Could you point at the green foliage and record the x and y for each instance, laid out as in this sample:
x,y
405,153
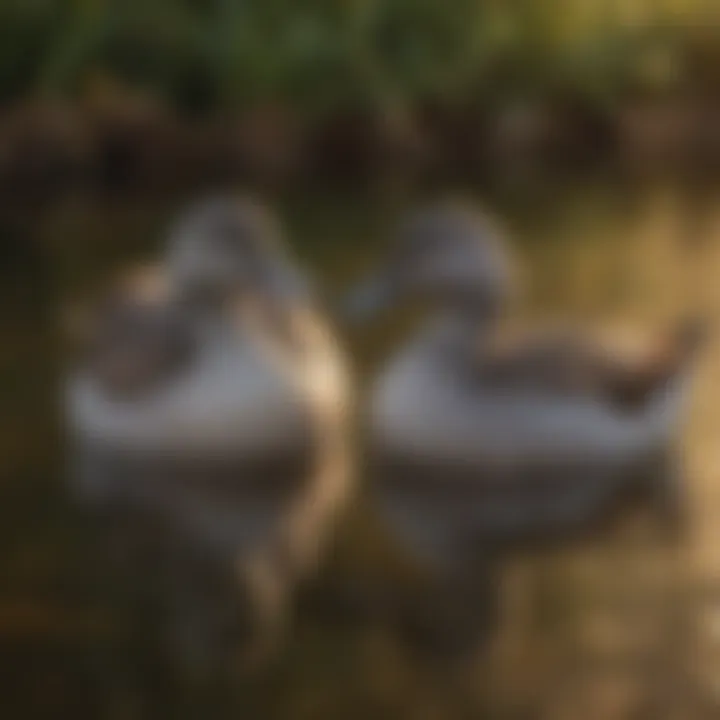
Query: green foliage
x,y
325,54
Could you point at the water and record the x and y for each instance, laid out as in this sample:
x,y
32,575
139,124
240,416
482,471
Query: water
x,y
589,248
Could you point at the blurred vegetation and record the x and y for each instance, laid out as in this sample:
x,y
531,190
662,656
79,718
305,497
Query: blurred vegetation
x,y
126,90
325,55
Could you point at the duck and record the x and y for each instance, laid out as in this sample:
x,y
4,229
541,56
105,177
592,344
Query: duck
x,y
478,443
495,419
214,398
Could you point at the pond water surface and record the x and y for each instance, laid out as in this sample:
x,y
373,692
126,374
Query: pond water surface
x,y
588,248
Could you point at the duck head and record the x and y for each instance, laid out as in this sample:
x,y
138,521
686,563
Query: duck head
x,y
448,254
227,248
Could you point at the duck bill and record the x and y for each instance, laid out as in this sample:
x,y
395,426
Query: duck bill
x,y
368,300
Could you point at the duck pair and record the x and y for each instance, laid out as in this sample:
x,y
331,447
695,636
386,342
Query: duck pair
x,y
216,401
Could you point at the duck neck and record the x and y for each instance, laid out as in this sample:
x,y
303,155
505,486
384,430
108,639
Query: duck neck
x,y
208,318
463,330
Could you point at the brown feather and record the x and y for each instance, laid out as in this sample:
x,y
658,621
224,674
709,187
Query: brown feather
x,y
566,361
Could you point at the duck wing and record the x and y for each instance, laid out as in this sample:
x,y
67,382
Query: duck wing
x,y
552,363
567,362
136,346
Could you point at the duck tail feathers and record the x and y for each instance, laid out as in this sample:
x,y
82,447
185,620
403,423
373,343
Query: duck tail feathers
x,y
668,401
